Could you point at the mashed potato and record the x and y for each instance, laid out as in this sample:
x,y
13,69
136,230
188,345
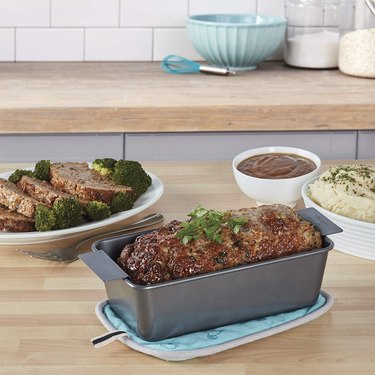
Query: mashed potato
x,y
347,190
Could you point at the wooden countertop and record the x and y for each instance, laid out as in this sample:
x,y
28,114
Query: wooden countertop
x,y
140,97
47,309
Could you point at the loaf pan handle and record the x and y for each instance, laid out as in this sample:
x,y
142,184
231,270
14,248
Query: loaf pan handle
x,y
324,225
104,267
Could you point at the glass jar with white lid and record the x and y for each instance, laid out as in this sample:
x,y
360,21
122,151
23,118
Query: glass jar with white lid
x,y
357,48
314,30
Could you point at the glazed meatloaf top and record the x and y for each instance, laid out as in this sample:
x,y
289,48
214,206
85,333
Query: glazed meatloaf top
x,y
270,232
13,222
84,183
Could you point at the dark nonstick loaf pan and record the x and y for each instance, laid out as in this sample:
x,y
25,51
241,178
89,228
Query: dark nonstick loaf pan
x,y
214,299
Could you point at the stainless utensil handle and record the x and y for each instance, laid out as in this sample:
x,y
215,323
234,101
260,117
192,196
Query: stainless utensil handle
x,y
216,70
144,222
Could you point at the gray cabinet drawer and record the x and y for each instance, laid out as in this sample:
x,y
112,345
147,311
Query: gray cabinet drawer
x,y
60,147
366,145
224,146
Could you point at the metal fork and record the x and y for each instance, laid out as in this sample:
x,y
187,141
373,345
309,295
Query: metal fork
x,y
70,253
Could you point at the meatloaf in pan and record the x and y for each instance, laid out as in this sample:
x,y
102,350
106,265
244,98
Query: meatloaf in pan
x,y
202,293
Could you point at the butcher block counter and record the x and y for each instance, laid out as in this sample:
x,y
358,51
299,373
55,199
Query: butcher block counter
x,y
140,97
47,308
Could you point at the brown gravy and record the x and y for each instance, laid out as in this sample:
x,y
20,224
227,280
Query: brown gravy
x,y
276,166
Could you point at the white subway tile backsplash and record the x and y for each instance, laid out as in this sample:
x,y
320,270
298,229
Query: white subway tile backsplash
x,y
173,42
49,44
7,52
24,13
158,13
85,13
120,30
118,44
222,6
271,8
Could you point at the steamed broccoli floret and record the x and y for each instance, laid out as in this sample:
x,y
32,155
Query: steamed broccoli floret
x,y
18,173
121,202
44,218
104,166
131,173
97,210
67,212
41,170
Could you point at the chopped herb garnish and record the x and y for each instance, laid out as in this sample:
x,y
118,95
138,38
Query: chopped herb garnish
x,y
208,223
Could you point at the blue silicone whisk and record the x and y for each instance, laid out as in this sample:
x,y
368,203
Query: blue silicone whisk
x,y
180,65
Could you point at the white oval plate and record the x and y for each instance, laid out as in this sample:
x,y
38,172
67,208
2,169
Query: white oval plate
x,y
154,192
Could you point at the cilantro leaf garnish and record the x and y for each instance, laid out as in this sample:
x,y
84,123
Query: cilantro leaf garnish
x,y
208,223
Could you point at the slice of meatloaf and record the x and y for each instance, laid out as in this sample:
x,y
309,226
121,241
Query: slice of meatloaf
x,y
16,200
42,191
13,222
84,183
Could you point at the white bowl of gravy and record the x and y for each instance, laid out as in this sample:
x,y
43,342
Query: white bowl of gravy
x,y
275,174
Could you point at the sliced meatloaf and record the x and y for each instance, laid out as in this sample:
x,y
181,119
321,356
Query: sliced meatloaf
x,y
16,200
84,183
13,222
270,232
40,190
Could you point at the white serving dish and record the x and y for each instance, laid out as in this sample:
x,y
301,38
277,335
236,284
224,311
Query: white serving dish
x,y
154,192
357,238
269,191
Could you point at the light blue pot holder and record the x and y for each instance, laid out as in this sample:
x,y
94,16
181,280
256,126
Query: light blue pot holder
x,y
199,344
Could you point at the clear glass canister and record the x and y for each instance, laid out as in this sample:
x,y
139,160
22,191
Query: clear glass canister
x,y
314,31
357,48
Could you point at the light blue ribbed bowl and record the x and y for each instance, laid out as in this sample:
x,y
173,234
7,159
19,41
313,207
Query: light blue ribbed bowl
x,y
236,41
